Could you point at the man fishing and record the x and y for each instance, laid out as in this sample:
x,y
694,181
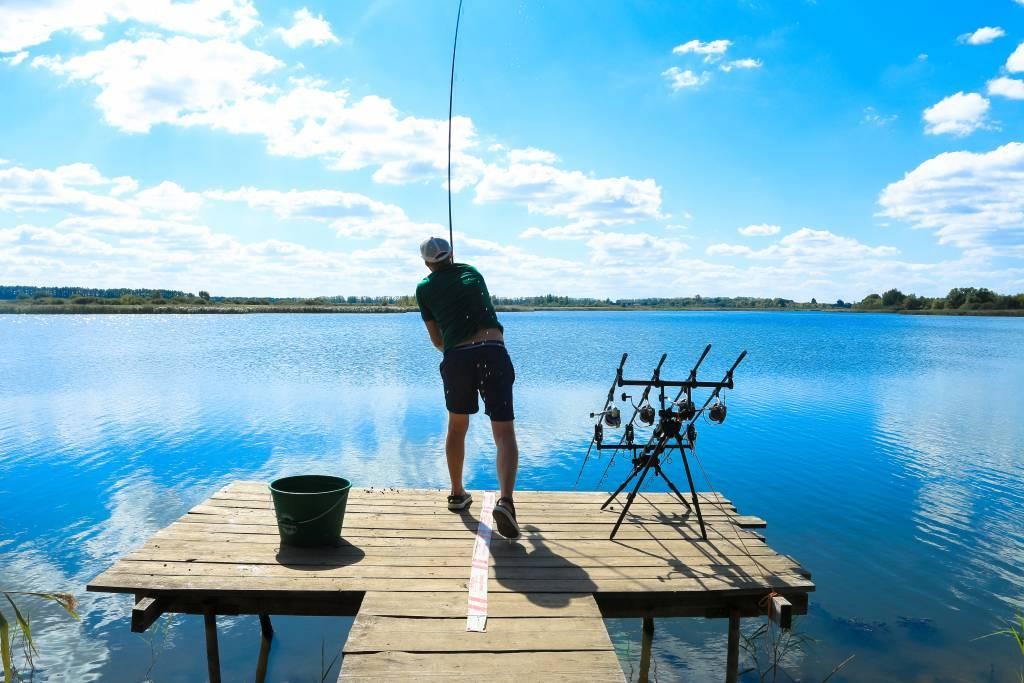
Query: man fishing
x,y
460,318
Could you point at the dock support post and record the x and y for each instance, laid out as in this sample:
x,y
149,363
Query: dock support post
x,y
645,650
212,651
266,628
732,662
266,635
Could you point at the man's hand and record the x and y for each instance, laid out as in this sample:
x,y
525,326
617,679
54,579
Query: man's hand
x,y
435,334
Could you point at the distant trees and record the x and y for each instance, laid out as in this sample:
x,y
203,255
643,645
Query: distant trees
x,y
958,298
13,292
893,297
871,301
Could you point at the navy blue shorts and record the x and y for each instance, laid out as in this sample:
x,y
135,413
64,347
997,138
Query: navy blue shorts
x,y
483,368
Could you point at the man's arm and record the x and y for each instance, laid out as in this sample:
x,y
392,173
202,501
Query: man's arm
x,y
435,334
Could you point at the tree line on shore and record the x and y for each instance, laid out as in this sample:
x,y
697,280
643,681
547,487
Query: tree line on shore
x,y
958,299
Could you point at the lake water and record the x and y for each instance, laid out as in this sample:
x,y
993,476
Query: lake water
x,y
885,452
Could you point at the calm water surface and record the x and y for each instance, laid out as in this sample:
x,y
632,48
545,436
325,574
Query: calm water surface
x,y
884,451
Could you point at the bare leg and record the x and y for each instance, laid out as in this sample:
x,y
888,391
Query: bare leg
x,y
508,455
455,449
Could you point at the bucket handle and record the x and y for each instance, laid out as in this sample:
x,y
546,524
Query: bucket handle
x,y
338,502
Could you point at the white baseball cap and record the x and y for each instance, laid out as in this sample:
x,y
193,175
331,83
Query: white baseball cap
x,y
435,249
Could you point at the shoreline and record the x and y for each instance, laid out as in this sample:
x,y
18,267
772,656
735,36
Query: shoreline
x,y
104,309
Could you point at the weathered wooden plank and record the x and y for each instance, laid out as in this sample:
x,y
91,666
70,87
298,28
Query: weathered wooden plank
x,y
381,634
453,605
580,531
498,667
438,506
671,548
120,580
331,558
466,518
435,494
356,571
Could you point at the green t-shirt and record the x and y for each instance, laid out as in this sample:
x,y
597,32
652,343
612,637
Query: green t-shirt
x,y
457,298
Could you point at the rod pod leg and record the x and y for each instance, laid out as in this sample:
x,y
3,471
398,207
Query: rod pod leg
x,y
636,471
693,491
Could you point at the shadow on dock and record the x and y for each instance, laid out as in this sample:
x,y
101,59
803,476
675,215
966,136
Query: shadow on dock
x,y
553,570
319,558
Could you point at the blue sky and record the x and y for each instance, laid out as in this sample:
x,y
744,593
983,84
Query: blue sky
x,y
730,147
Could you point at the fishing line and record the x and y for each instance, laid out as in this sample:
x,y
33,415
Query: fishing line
x,y
451,100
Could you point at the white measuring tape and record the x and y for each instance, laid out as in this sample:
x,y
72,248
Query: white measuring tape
x,y
476,615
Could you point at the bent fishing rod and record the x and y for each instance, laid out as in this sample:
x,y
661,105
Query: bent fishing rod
x,y
451,101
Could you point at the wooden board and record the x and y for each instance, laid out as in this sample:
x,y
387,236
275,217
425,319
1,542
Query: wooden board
x,y
227,549
499,667
559,637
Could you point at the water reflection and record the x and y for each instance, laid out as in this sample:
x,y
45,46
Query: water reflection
x,y
883,450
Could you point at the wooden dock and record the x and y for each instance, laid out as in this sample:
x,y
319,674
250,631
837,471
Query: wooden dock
x,y
404,563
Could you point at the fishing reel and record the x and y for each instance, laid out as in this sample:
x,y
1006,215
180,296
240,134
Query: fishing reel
x,y
717,412
686,408
612,417
645,412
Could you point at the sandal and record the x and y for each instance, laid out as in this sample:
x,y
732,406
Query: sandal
x,y
459,502
505,518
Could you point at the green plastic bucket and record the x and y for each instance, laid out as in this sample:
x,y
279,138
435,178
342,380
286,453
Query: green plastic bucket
x,y
310,508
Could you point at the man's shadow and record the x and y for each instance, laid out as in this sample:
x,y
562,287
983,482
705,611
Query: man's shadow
x,y
534,568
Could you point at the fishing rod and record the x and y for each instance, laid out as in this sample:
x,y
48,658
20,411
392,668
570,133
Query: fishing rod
x,y
451,100
646,414
686,407
612,418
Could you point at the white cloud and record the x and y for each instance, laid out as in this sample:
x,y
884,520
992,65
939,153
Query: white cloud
x,y
532,155
349,213
971,200
24,189
679,79
712,50
151,81
1011,88
873,117
628,249
17,59
24,24
982,36
580,230
108,241
746,63
307,29
219,84
723,249
760,230
960,114
168,199
808,247
1015,63
550,191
